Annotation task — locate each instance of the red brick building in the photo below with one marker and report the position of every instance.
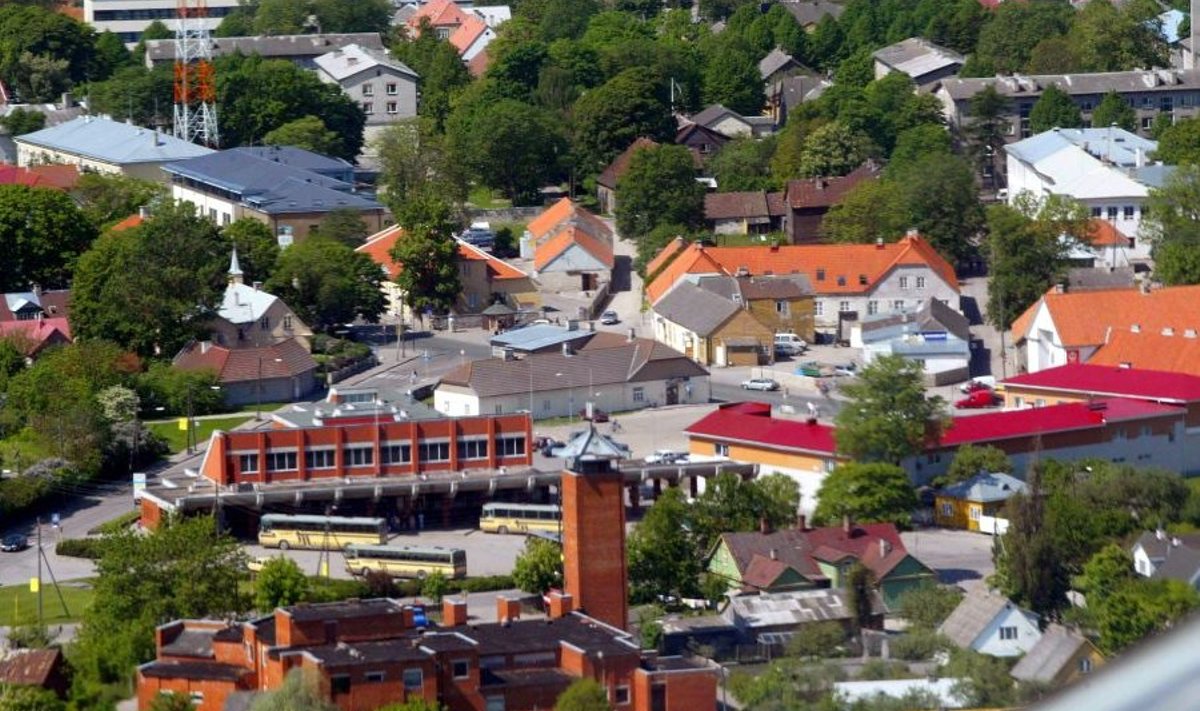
(593, 508)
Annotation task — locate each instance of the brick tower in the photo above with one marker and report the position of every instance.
(593, 533)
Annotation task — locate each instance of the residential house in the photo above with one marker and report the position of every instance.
(962, 505)
(743, 213)
(920, 60)
(52, 177)
(788, 92)
(810, 12)
(702, 141)
(1062, 656)
(711, 329)
(948, 692)
(562, 214)
(298, 49)
(1102, 257)
(468, 30)
(808, 201)
(614, 372)
(783, 303)
(472, 38)
(935, 336)
(777, 65)
(730, 123)
(1108, 170)
(278, 372)
(606, 182)
(1069, 327)
(250, 317)
(382, 85)
(1161, 555)
(846, 279)
(101, 145)
(573, 260)
(128, 19)
(41, 668)
(991, 624)
(36, 320)
(289, 189)
(810, 558)
(485, 278)
(773, 619)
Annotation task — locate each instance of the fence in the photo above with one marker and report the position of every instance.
(993, 524)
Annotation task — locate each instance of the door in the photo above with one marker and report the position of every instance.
(673, 394)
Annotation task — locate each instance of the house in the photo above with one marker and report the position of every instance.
(772, 619)
(298, 49)
(919, 59)
(1108, 170)
(947, 691)
(846, 279)
(484, 278)
(564, 213)
(991, 624)
(935, 336)
(1161, 555)
(812, 558)
(1061, 657)
(1147, 350)
(36, 320)
(962, 505)
(573, 260)
(788, 92)
(383, 86)
(807, 201)
(1069, 327)
(1105, 252)
(810, 12)
(468, 30)
(42, 668)
(279, 372)
(702, 141)
(250, 317)
(606, 182)
(776, 65)
(730, 123)
(289, 189)
(101, 145)
(33, 337)
(472, 38)
(52, 177)
(128, 20)
(743, 213)
(614, 372)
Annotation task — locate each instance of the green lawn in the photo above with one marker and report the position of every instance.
(177, 438)
(485, 199)
(19, 606)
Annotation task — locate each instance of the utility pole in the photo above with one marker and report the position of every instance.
(41, 620)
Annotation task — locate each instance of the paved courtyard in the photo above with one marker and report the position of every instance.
(961, 558)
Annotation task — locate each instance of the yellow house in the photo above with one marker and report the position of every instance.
(1062, 656)
(961, 505)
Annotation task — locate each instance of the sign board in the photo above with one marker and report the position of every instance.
(139, 485)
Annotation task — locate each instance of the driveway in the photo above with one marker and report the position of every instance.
(960, 558)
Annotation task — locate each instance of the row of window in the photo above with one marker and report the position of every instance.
(392, 107)
(368, 89)
(158, 13)
(897, 306)
(364, 455)
(1112, 212)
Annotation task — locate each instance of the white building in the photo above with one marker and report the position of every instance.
(991, 624)
(382, 85)
(129, 18)
(935, 335)
(1106, 169)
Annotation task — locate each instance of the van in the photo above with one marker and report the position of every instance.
(789, 344)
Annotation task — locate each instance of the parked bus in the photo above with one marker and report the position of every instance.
(499, 517)
(319, 532)
(406, 561)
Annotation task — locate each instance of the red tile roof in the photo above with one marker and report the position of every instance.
(826, 192)
(441, 13)
(55, 177)
(285, 359)
(1102, 233)
(762, 557)
(1177, 354)
(1107, 380)
(467, 33)
(1064, 417)
(611, 174)
(566, 212)
(753, 423)
(379, 247)
(1088, 318)
(37, 334)
(665, 255)
(498, 269)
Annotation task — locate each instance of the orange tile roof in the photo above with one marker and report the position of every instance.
(1088, 318)
(550, 218)
(467, 33)
(846, 266)
(549, 250)
(498, 269)
(440, 13)
(1102, 233)
(1177, 353)
(379, 247)
(665, 255)
(128, 223)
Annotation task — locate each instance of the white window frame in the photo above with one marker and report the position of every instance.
(1009, 633)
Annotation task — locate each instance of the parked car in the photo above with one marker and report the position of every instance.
(598, 415)
(789, 344)
(666, 456)
(849, 370)
(812, 369)
(983, 382)
(977, 399)
(764, 384)
(549, 446)
(13, 543)
(480, 234)
(610, 317)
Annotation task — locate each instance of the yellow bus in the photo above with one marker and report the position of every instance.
(329, 533)
(406, 561)
(500, 517)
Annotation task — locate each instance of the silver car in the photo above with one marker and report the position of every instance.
(763, 384)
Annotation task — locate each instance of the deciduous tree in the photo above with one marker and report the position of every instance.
(107, 197)
(872, 492)
(300, 691)
(1054, 109)
(20, 121)
(833, 150)
(257, 247)
(307, 132)
(583, 695)
(428, 253)
(970, 460)
(664, 557)
(926, 606)
(42, 233)
(631, 105)
(888, 416)
(509, 145)
(1180, 144)
(1113, 110)
(278, 584)
(328, 283)
(539, 567)
(344, 225)
(659, 188)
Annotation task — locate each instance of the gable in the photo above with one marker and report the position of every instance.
(743, 323)
(908, 567)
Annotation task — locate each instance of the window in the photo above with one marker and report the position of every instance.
(433, 451)
(1085, 666)
(359, 456)
(472, 448)
(843, 306)
(1166, 103)
(197, 697)
(392, 90)
(782, 308)
(319, 459)
(898, 305)
(1039, 402)
(368, 89)
(391, 108)
(947, 508)
(862, 279)
(721, 450)
(248, 463)
(1112, 212)
(494, 703)
(872, 307)
(413, 679)
(841, 281)
(1147, 123)
(639, 394)
(974, 513)
(264, 323)
(1128, 212)
(1018, 401)
(1008, 633)
(368, 107)
(281, 461)
(396, 453)
(820, 275)
(621, 695)
(920, 282)
(461, 668)
(818, 308)
(212, 214)
(339, 684)
(510, 445)
(546, 405)
(1097, 212)
(287, 323)
(903, 282)
(375, 676)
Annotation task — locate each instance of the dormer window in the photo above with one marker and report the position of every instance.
(820, 275)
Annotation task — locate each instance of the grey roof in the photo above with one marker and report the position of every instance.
(917, 57)
(715, 112)
(329, 166)
(932, 315)
(590, 445)
(972, 616)
(1181, 563)
(1031, 86)
(1085, 278)
(1056, 648)
(345, 62)
(113, 142)
(1157, 546)
(749, 612)
(538, 337)
(698, 310)
(986, 487)
(1153, 176)
(775, 61)
(810, 13)
(1110, 144)
(191, 643)
(796, 89)
(278, 46)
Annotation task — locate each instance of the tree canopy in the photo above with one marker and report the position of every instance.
(42, 234)
(327, 283)
(888, 416)
(867, 493)
(539, 567)
(659, 188)
(427, 250)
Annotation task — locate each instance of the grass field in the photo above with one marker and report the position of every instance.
(177, 438)
(485, 199)
(19, 606)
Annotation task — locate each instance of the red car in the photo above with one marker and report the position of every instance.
(978, 398)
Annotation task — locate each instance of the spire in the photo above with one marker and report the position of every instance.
(235, 270)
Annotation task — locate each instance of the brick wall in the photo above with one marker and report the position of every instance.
(593, 513)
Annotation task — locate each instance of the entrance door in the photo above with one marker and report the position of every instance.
(673, 394)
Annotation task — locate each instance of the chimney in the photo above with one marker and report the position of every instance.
(1125, 365)
(1139, 158)
(508, 608)
(764, 526)
(1160, 534)
(36, 289)
(1189, 333)
(912, 232)
(566, 350)
(878, 243)
(205, 346)
(847, 524)
(884, 548)
(774, 554)
(591, 326)
(454, 611)
(258, 286)
(509, 354)
(559, 604)
(1060, 288)
(572, 324)
(143, 212)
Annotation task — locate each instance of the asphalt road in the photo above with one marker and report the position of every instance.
(961, 558)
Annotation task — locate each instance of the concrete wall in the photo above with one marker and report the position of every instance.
(380, 81)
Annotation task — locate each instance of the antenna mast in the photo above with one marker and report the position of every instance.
(195, 86)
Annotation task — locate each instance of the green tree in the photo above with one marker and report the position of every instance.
(361, 16)
(106, 198)
(414, 161)
(1177, 263)
(21, 121)
(927, 606)
(833, 150)
(539, 567)
(238, 23)
(987, 682)
(1030, 569)
(1054, 109)
(309, 133)
(609, 118)
(258, 250)
(171, 701)
(151, 288)
(1113, 110)
(1105, 572)
(817, 640)
(328, 283)
(873, 210)
(442, 73)
(280, 583)
(300, 691)
(135, 94)
(872, 492)
(509, 145)
(743, 164)
(344, 225)
(280, 17)
(731, 78)
(34, 39)
(1007, 40)
(111, 55)
(28, 698)
(943, 205)
(888, 416)
(1141, 608)
(1180, 144)
(583, 695)
(664, 558)
(970, 460)
(429, 254)
(1106, 39)
(1026, 252)
(730, 504)
(659, 188)
(42, 233)
(916, 143)
(435, 586)
(987, 129)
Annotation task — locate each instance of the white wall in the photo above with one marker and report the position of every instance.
(1028, 634)
(568, 401)
(219, 210)
(1142, 564)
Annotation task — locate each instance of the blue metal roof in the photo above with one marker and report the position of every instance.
(986, 487)
(301, 158)
(532, 338)
(113, 142)
(1115, 145)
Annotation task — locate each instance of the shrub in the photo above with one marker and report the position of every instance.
(917, 645)
(80, 547)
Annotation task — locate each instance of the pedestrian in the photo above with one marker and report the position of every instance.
(413, 378)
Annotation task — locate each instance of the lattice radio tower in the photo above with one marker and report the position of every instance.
(195, 85)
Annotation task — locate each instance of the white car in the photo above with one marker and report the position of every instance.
(764, 384)
(608, 318)
(666, 456)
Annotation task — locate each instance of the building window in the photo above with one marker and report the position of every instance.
(1128, 212)
(546, 405)
(375, 676)
(721, 450)
(903, 282)
(1085, 666)
(396, 453)
(1147, 123)
(413, 679)
(392, 107)
(510, 445)
(820, 275)
(782, 308)
(1039, 402)
(212, 214)
(197, 697)
(843, 306)
(359, 456)
(947, 508)
(495, 703)
(920, 282)
(862, 279)
(461, 668)
(818, 308)
(1097, 212)
(287, 323)
(472, 448)
(368, 107)
(974, 513)
(639, 394)
(368, 89)
(433, 451)
(392, 90)
(248, 463)
(872, 307)
(1112, 211)
(319, 459)
(898, 305)
(621, 695)
(339, 684)
(281, 461)
(1008, 633)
